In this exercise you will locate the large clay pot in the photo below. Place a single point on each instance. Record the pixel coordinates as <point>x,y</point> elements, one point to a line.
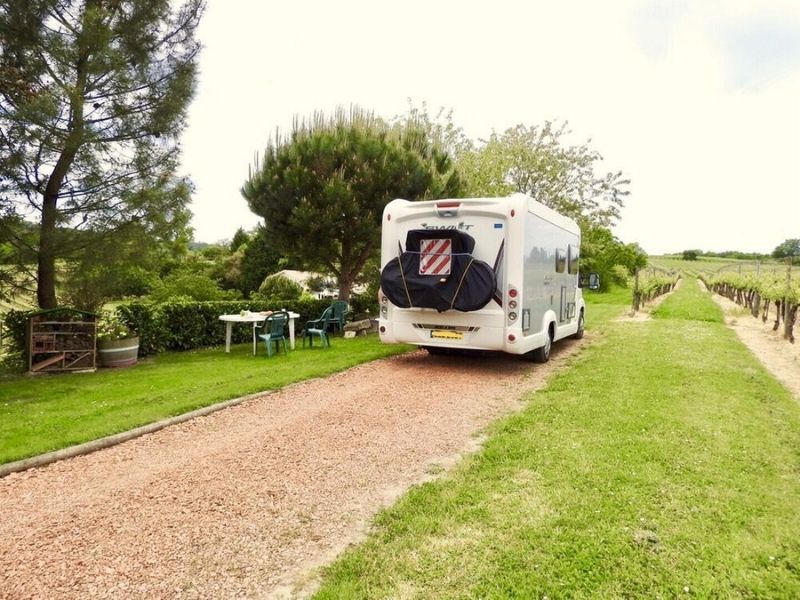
<point>118,353</point>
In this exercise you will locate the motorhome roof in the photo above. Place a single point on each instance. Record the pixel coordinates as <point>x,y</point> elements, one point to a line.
<point>532,205</point>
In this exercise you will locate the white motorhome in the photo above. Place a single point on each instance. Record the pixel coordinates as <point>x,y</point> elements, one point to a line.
<point>480,274</point>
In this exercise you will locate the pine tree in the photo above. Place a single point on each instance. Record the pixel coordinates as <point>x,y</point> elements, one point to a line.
<point>93,98</point>
<point>322,191</point>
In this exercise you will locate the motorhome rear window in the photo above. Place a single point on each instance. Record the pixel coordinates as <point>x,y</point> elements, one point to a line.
<point>561,260</point>
<point>573,253</point>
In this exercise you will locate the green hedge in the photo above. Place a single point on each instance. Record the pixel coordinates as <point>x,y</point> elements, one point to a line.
<point>15,330</point>
<point>183,325</point>
<point>187,325</point>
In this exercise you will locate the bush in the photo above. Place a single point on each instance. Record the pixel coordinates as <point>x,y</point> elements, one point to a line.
<point>192,286</point>
<point>364,304</point>
<point>15,330</point>
<point>111,327</point>
<point>146,318</point>
<point>278,288</point>
<point>619,275</point>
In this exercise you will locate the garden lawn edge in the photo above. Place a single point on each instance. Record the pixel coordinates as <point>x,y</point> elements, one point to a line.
<point>42,460</point>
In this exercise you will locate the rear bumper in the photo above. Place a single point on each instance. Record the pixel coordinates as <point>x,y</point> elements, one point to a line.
<point>480,330</point>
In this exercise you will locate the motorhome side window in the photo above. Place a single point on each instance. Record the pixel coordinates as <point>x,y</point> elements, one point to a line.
<point>561,260</point>
<point>572,258</point>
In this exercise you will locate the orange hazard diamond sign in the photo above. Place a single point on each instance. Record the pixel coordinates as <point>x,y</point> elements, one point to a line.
<point>436,257</point>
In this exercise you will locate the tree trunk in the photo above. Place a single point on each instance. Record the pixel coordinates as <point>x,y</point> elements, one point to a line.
<point>788,314</point>
<point>789,321</point>
<point>351,267</point>
<point>345,283</point>
<point>46,285</point>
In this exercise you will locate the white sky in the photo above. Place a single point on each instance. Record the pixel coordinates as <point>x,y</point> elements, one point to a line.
<point>696,101</point>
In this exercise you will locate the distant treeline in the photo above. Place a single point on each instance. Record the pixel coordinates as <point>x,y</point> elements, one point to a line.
<point>728,254</point>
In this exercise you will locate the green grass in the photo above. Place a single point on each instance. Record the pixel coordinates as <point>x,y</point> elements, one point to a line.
<point>602,308</point>
<point>691,304</point>
<point>43,413</point>
<point>664,463</point>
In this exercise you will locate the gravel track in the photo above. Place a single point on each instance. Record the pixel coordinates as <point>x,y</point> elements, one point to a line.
<point>245,502</point>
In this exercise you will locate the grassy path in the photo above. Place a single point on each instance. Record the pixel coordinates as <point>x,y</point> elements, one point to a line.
<point>664,463</point>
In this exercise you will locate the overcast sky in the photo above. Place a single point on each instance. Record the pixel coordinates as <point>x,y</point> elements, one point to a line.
<point>697,102</point>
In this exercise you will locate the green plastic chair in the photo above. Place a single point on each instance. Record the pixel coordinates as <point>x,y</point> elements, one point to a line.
<point>340,310</point>
<point>318,328</point>
<point>275,324</point>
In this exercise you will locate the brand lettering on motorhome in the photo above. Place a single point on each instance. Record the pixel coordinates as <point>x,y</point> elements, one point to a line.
<point>461,226</point>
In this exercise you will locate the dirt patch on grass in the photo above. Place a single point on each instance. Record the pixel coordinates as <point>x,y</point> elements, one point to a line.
<point>246,501</point>
<point>780,357</point>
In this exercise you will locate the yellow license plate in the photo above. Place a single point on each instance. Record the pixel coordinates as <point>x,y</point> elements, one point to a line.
<point>444,334</point>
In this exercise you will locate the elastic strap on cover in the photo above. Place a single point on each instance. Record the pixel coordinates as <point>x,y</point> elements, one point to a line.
<point>458,289</point>
<point>403,275</point>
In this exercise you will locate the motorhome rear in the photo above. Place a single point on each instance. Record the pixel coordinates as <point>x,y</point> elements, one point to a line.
<point>481,274</point>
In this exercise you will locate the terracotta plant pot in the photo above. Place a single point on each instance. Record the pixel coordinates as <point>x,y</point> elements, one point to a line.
<point>118,353</point>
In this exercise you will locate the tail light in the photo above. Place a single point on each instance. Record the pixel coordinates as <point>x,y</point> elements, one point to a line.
<point>512,303</point>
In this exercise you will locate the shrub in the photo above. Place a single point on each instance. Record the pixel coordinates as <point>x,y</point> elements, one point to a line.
<point>278,287</point>
<point>194,286</point>
<point>146,318</point>
<point>111,327</point>
<point>364,304</point>
<point>15,330</point>
<point>619,275</point>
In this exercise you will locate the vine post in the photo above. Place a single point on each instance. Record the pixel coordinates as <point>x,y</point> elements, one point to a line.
<point>636,292</point>
<point>788,321</point>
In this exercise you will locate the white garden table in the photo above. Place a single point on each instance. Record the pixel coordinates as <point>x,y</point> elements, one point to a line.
<point>255,319</point>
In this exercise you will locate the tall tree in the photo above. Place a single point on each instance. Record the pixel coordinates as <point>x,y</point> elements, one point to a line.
<point>601,252</point>
<point>240,238</point>
<point>259,259</point>
<point>93,97</point>
<point>537,161</point>
<point>789,248</point>
<point>322,190</point>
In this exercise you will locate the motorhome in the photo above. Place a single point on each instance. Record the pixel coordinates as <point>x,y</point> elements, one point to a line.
<point>480,274</point>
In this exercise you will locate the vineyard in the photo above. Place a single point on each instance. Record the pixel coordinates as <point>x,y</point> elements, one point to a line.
<point>769,290</point>
<point>651,283</point>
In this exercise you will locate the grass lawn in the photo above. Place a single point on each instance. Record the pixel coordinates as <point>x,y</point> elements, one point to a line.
<point>43,413</point>
<point>664,463</point>
<point>601,308</point>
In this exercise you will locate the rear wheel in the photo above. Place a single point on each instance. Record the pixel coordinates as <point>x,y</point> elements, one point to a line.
<point>542,355</point>
<point>579,334</point>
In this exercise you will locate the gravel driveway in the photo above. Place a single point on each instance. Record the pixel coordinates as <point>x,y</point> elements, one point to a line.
<point>247,501</point>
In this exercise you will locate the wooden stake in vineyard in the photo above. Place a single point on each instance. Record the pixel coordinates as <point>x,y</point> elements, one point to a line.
<point>789,310</point>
